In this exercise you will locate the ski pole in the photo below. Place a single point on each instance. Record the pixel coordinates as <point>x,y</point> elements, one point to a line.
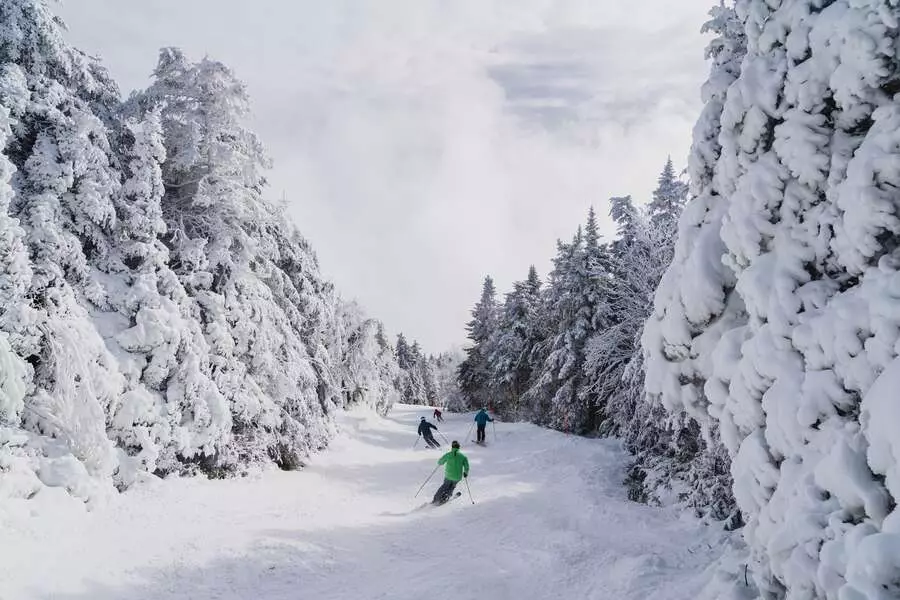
<point>427,480</point>
<point>443,436</point>
<point>469,490</point>
<point>469,430</point>
<point>417,442</point>
<point>494,428</point>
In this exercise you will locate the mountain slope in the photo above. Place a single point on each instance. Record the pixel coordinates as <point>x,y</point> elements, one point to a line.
<point>550,519</point>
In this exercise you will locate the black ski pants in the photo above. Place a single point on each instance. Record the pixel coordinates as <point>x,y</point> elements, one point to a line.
<point>480,433</point>
<point>444,492</point>
<point>429,439</point>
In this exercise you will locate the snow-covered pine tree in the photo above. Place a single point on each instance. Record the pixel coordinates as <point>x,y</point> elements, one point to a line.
<point>381,338</point>
<point>773,324</point>
<point>670,458</point>
<point>15,268</point>
<point>368,369</point>
<point>64,188</point>
<point>406,363</point>
<point>17,467</point>
<point>519,331</point>
<point>625,283</point>
<point>668,199</point>
<point>542,387</point>
<point>637,260</point>
<point>15,273</point>
<point>428,374</point>
<point>670,362</point>
<point>575,310</point>
<point>417,374</point>
<point>404,353</point>
<point>166,413</point>
<point>475,378</point>
<point>628,220</point>
<point>210,173</point>
<point>267,315</point>
<point>388,370</point>
<point>446,367</point>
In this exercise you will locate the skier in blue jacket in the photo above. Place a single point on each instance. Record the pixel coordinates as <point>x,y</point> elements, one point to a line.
<point>481,421</point>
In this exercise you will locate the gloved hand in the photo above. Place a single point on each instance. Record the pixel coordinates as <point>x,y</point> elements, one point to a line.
<point>466,475</point>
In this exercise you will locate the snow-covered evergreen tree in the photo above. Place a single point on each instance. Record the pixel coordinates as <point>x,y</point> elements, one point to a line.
<point>446,368</point>
<point>15,268</point>
<point>672,461</point>
<point>15,272</point>
<point>417,389</point>
<point>772,327</point>
<point>519,332</point>
<point>697,248</point>
<point>418,376</point>
<point>628,220</point>
<point>575,310</point>
<point>368,370</point>
<point>475,378</point>
<point>626,283</point>
<point>166,414</point>
<point>266,312</point>
<point>406,362</point>
<point>403,353</point>
<point>65,182</point>
<point>428,375</point>
<point>668,199</point>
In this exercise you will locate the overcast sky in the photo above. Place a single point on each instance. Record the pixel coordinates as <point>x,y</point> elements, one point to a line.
<point>422,144</point>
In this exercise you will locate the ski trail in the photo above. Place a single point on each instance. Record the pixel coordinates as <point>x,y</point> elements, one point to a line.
<point>550,520</point>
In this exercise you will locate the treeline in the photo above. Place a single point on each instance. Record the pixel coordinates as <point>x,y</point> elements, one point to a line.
<point>566,352</point>
<point>427,379</point>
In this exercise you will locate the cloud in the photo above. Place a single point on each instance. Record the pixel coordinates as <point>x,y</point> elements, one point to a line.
<point>422,144</point>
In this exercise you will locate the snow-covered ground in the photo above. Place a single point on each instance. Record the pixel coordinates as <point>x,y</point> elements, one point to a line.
<point>550,520</point>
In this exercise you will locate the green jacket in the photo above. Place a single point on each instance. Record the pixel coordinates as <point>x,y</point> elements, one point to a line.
<point>457,465</point>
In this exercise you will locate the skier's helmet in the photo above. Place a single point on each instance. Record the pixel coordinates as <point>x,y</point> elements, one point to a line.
<point>454,444</point>
<point>423,418</point>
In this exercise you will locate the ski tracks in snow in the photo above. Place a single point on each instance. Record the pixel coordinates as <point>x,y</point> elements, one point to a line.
<point>550,520</point>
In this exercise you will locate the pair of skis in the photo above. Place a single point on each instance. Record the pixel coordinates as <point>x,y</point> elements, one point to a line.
<point>453,497</point>
<point>425,505</point>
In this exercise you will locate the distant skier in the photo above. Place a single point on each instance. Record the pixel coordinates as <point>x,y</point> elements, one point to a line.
<point>425,431</point>
<point>456,466</point>
<point>481,420</point>
<point>438,415</point>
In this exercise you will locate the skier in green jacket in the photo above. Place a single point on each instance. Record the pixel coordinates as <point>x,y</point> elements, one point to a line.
<point>456,467</point>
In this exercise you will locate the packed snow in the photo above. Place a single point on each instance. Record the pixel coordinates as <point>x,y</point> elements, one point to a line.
<point>549,520</point>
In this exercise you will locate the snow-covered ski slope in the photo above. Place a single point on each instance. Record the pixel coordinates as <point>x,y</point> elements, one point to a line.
<point>550,520</point>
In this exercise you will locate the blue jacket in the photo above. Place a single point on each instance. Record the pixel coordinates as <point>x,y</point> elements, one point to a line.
<point>482,418</point>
